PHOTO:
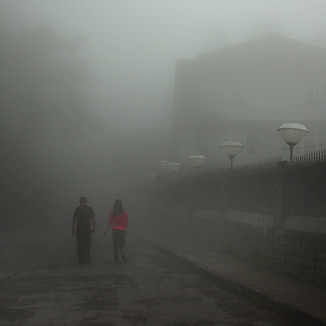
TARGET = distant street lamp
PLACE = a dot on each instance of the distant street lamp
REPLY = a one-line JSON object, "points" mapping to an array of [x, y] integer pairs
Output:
{"points": [[232, 149], [197, 161], [292, 134], [173, 168], [162, 165], [152, 176]]}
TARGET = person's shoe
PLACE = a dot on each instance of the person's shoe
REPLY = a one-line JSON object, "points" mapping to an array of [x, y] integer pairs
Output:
{"points": [[81, 262], [87, 260], [124, 259]]}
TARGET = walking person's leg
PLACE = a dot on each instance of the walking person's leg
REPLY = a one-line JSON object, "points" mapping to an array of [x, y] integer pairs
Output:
{"points": [[115, 239], [88, 244], [80, 249], [122, 243]]}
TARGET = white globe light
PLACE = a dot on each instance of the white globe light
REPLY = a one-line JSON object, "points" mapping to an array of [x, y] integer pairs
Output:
{"points": [[232, 148], [292, 133], [163, 164], [152, 175], [173, 166], [197, 160]]}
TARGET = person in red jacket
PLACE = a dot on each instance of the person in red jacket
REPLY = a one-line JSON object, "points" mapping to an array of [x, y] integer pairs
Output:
{"points": [[119, 221]]}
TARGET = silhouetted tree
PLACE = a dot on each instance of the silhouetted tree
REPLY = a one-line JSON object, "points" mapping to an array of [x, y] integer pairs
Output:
{"points": [[43, 107]]}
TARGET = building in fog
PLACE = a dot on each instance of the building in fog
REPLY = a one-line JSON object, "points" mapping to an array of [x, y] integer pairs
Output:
{"points": [[245, 92]]}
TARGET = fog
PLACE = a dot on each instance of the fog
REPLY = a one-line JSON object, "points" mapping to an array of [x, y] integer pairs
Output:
{"points": [[87, 91]]}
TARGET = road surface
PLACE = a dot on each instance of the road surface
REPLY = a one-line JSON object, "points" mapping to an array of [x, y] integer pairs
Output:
{"points": [[42, 284]]}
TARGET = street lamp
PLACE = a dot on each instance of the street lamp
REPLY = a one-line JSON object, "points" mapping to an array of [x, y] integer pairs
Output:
{"points": [[152, 176], [292, 134], [162, 165], [197, 161], [173, 168], [232, 149]]}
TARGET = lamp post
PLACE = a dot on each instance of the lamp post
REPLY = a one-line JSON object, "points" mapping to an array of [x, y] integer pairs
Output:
{"points": [[162, 165], [232, 149], [197, 161], [173, 168], [292, 134], [152, 176]]}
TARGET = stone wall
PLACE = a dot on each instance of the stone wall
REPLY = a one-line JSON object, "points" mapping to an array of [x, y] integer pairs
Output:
{"points": [[274, 215], [298, 249]]}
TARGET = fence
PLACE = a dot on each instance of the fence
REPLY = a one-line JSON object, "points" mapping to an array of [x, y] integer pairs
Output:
{"points": [[254, 212], [276, 187]]}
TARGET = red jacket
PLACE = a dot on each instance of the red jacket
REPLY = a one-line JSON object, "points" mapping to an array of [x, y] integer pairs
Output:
{"points": [[120, 222]]}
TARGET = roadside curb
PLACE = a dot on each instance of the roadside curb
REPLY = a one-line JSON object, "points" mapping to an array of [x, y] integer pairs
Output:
{"points": [[253, 295]]}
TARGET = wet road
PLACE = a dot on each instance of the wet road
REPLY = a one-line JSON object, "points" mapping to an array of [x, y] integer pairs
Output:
{"points": [[42, 284]]}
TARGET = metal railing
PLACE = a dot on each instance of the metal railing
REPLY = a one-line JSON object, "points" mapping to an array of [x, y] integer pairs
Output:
{"points": [[298, 186]]}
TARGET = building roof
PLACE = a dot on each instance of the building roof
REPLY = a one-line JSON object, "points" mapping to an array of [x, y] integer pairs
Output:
{"points": [[266, 47]]}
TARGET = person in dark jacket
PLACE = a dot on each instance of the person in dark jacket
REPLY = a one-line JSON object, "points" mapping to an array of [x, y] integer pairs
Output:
{"points": [[119, 221], [83, 216]]}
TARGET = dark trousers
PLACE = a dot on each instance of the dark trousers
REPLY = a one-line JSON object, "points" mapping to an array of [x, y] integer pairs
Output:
{"points": [[83, 245], [119, 240]]}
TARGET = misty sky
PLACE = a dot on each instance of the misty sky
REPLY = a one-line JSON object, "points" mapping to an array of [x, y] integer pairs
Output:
{"points": [[131, 46]]}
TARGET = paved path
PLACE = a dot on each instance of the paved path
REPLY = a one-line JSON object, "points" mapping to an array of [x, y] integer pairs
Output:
{"points": [[41, 284], [303, 303]]}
